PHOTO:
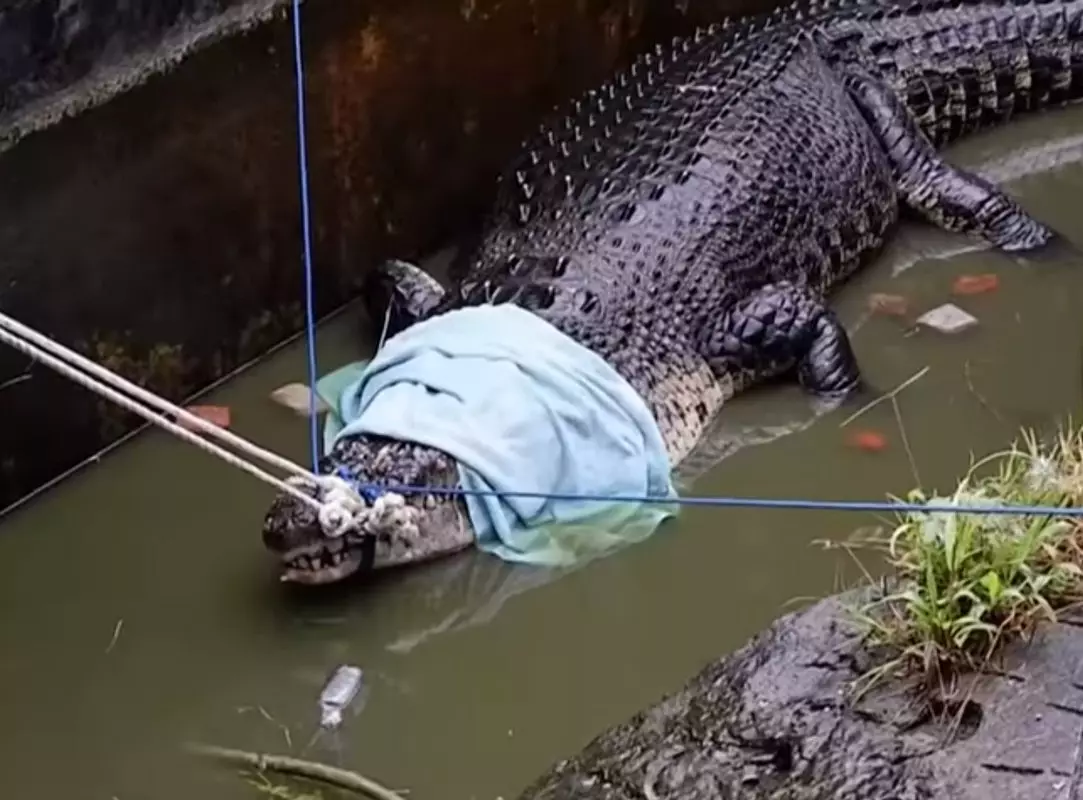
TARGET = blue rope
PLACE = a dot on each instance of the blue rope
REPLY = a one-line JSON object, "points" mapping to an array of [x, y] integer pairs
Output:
{"points": [[371, 491], [310, 313]]}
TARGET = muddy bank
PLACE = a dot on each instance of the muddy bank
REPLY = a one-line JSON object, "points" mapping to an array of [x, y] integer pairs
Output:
{"points": [[771, 721], [159, 232]]}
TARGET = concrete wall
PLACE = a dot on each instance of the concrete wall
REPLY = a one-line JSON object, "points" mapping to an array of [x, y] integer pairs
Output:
{"points": [[159, 231]]}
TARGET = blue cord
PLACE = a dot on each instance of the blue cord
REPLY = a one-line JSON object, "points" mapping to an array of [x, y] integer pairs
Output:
{"points": [[371, 491], [310, 313]]}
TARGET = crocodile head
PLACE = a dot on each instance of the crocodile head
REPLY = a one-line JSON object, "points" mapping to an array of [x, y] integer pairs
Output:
{"points": [[419, 527]]}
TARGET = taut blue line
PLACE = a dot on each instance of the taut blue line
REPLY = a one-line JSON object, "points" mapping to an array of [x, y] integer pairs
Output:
{"points": [[306, 224]]}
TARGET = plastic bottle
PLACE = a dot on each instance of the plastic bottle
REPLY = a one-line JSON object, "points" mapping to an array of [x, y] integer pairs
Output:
{"points": [[337, 695]]}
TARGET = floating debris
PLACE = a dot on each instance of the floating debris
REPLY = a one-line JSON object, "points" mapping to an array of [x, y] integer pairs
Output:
{"points": [[867, 440], [337, 695], [947, 318], [892, 305], [216, 415], [975, 284], [297, 397]]}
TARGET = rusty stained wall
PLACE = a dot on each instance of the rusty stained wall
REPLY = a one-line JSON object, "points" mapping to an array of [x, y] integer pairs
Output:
{"points": [[422, 105], [419, 106], [160, 233]]}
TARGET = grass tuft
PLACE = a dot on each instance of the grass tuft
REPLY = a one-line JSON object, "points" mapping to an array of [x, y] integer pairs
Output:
{"points": [[966, 584]]}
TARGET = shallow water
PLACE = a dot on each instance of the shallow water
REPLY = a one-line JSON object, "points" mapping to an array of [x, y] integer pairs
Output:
{"points": [[140, 612]]}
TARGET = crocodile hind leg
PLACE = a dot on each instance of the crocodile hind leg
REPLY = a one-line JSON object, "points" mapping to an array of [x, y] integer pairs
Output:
{"points": [[779, 327], [947, 196]]}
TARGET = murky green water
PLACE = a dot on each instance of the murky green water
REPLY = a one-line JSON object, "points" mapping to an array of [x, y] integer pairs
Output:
{"points": [[140, 612]]}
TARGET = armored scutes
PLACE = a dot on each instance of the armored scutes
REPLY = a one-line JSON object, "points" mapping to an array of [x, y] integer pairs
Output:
{"points": [[686, 220]]}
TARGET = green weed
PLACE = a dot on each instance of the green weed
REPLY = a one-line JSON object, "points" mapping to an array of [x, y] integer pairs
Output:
{"points": [[965, 583]]}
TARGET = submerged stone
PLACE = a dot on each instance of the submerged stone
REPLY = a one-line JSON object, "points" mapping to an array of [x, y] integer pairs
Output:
{"points": [[889, 305], [216, 415], [297, 397], [773, 720], [948, 318]]}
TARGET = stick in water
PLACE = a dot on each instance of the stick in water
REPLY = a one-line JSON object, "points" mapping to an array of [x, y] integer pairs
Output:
{"points": [[287, 765]]}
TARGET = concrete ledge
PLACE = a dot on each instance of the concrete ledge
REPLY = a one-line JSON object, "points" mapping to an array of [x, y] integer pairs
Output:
{"points": [[772, 721], [59, 58]]}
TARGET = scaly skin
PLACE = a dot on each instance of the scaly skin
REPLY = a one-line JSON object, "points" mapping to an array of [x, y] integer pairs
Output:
{"points": [[686, 220]]}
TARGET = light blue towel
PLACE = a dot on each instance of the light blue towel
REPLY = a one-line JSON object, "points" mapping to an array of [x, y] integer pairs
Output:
{"points": [[521, 407]]}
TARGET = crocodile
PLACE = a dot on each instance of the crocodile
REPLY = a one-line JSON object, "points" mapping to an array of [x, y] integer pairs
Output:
{"points": [[687, 219]]}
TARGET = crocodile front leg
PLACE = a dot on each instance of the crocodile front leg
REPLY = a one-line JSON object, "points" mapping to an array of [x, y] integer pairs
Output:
{"points": [[398, 294], [947, 196], [779, 327]]}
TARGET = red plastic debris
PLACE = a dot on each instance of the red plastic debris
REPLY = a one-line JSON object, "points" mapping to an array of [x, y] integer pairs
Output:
{"points": [[975, 284], [869, 441], [892, 305], [216, 415]]}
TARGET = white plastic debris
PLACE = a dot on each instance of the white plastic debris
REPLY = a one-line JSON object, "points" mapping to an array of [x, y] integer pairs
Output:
{"points": [[297, 398], [948, 318], [337, 695]]}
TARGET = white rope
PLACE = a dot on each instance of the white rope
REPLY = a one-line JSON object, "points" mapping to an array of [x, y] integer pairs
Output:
{"points": [[158, 419], [383, 333], [341, 508], [109, 377]]}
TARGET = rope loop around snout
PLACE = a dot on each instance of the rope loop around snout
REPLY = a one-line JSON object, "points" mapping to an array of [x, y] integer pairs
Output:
{"points": [[339, 509], [345, 505]]}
